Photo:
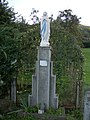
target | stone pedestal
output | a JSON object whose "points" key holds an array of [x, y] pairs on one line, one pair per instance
{"points": [[43, 82]]}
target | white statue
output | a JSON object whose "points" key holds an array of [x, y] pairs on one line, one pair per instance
{"points": [[45, 30]]}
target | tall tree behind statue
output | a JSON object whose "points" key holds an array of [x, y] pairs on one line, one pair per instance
{"points": [[66, 41]]}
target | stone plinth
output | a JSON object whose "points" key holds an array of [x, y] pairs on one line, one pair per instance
{"points": [[43, 82]]}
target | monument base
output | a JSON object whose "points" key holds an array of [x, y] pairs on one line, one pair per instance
{"points": [[43, 82]]}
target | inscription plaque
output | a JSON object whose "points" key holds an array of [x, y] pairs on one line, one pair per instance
{"points": [[43, 63]]}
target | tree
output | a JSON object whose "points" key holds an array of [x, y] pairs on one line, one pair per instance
{"points": [[67, 56], [28, 45], [7, 14], [85, 30], [8, 46]]}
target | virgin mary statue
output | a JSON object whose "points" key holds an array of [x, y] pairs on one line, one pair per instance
{"points": [[45, 30]]}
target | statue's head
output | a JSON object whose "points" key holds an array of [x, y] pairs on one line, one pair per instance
{"points": [[45, 14]]}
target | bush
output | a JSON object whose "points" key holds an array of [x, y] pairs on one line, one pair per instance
{"points": [[18, 117], [58, 112], [86, 44], [75, 115]]}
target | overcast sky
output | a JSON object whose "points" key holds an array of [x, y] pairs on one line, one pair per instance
{"points": [[81, 8]]}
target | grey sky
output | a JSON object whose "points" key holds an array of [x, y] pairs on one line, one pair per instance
{"points": [[79, 7]]}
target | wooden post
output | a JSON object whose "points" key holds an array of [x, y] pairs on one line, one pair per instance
{"points": [[13, 90]]}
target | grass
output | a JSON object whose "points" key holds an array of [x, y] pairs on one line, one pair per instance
{"points": [[18, 117], [86, 52]]}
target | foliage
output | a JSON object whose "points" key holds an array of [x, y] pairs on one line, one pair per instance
{"points": [[17, 117], [7, 16], [26, 108], [24, 104], [12, 47], [9, 47], [34, 16], [56, 112], [86, 52], [8, 52], [85, 30], [29, 41], [75, 115], [67, 56]]}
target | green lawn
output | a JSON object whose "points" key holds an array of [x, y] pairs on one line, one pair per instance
{"points": [[86, 52]]}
